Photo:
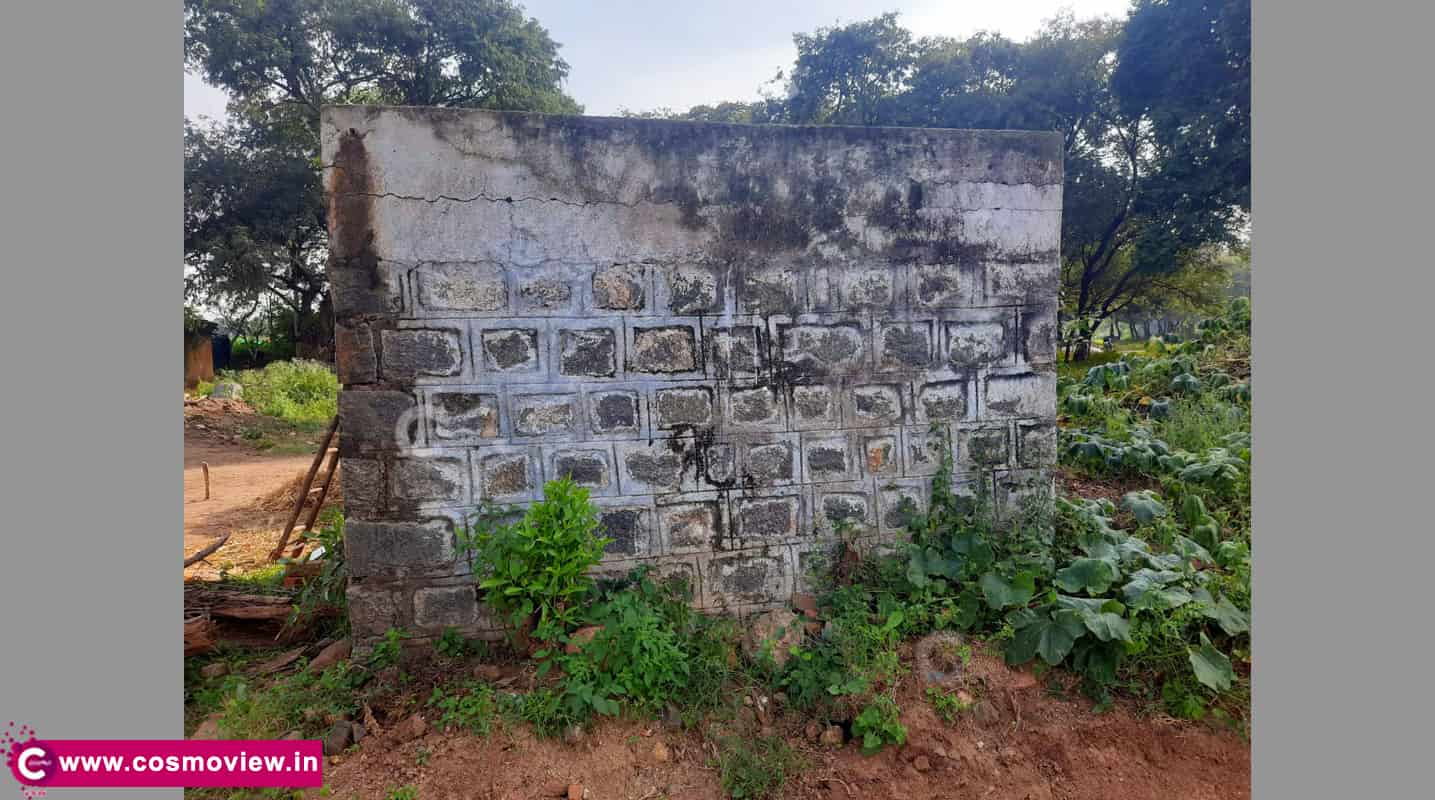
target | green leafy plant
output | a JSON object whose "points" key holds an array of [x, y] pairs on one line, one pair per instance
{"points": [[878, 725], [451, 644], [471, 706], [535, 571], [405, 792], [947, 705]]}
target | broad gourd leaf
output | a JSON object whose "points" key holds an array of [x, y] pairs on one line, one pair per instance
{"points": [[1094, 576], [1001, 594], [1100, 616], [1144, 506], [1150, 589], [1049, 635], [1211, 666], [1231, 619]]}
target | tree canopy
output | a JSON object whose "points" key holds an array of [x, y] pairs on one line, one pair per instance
{"points": [[254, 211], [1154, 113]]}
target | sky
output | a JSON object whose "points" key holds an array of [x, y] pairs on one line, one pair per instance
{"points": [[645, 54]]}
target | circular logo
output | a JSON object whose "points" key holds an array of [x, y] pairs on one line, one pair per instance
{"points": [[34, 763]]}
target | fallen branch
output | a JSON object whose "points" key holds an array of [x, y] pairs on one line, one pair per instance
{"points": [[198, 636], [207, 551]]}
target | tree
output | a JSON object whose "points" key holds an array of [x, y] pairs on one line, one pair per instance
{"points": [[254, 210], [1152, 176]]}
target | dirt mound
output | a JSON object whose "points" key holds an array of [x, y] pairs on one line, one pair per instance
{"points": [[284, 497], [1023, 738]]}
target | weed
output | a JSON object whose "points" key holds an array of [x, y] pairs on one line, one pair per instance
{"points": [[406, 792], [386, 653], [471, 707], [757, 768], [878, 725], [451, 644], [947, 704]]}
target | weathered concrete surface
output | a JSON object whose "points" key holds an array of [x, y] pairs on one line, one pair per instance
{"points": [[737, 337]]}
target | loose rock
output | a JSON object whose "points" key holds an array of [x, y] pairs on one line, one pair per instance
{"points": [[575, 791], [832, 736], [331, 655], [408, 730], [660, 753], [216, 670], [921, 764], [581, 637], [338, 737]]}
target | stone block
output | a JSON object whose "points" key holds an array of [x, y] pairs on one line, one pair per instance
{"points": [[545, 415], [734, 351], [882, 454], [1036, 445], [1031, 394], [753, 408], [418, 353], [692, 527], [773, 463], [745, 579], [630, 528], [985, 447], [507, 475], [720, 464], [590, 353], [943, 286], [614, 412], [545, 294], [814, 406], [439, 607], [942, 401], [365, 490], [659, 467], [814, 351], [874, 405], [462, 287], [683, 407], [905, 347], [463, 416], [377, 420], [355, 360], [588, 467], [973, 345], [396, 549], [375, 608], [867, 288], [828, 458], [761, 520], [1039, 335], [922, 449], [620, 287], [664, 349], [439, 480], [837, 508], [511, 350], [896, 500], [693, 290], [769, 291]]}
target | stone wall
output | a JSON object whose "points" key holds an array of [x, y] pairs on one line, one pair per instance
{"points": [[735, 336]]}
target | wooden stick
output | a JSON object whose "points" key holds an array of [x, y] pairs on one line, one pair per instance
{"points": [[323, 492], [207, 551], [304, 492], [204, 465]]}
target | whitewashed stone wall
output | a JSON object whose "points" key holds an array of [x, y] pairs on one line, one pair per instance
{"points": [[733, 335]]}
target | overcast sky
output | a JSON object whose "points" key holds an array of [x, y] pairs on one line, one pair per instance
{"points": [[646, 54]]}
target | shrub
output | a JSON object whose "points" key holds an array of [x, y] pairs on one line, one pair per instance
{"points": [[297, 391], [535, 571]]}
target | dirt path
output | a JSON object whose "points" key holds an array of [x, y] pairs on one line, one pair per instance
{"points": [[243, 482]]}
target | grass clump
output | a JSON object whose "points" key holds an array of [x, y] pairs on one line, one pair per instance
{"points": [[755, 768]]}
